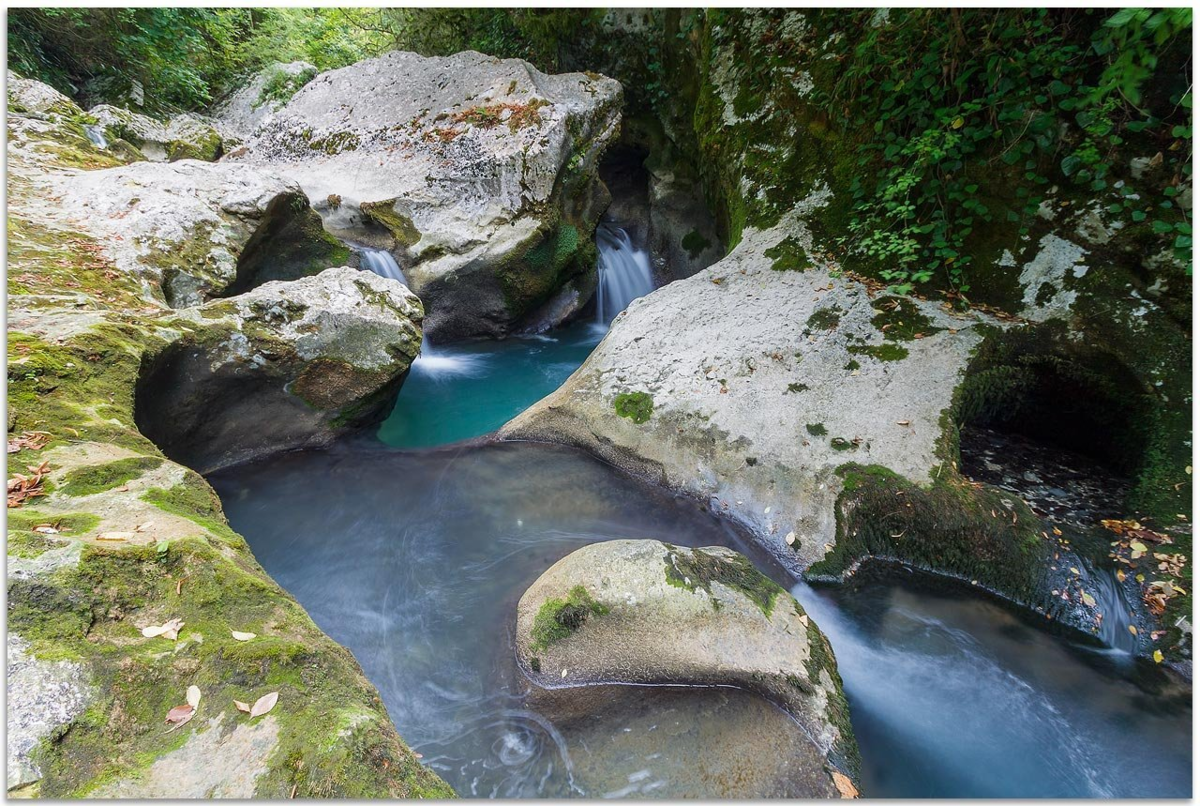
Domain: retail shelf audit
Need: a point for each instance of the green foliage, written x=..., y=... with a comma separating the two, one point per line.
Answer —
x=636, y=406
x=947, y=99
x=694, y=569
x=281, y=85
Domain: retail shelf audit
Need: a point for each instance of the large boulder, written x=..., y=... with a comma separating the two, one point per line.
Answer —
x=480, y=173
x=286, y=365
x=748, y=386
x=261, y=97
x=185, y=136
x=199, y=230
x=647, y=612
x=29, y=97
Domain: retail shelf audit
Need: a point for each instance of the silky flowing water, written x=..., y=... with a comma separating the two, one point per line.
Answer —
x=415, y=559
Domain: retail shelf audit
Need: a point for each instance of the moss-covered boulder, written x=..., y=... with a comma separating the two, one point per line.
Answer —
x=185, y=136
x=289, y=364
x=647, y=612
x=480, y=172
x=113, y=538
x=195, y=230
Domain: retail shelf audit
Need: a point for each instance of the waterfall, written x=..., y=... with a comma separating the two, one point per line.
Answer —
x=95, y=133
x=1110, y=599
x=382, y=263
x=624, y=272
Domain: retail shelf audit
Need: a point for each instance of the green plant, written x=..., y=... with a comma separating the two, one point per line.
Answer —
x=636, y=406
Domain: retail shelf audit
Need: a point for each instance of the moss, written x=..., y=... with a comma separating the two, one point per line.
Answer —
x=843, y=444
x=401, y=226
x=98, y=478
x=694, y=569
x=797, y=387
x=825, y=318
x=556, y=619
x=899, y=319
x=951, y=527
x=880, y=352
x=694, y=243
x=845, y=754
x=788, y=255
x=636, y=406
x=280, y=86
x=852, y=365
x=816, y=429
x=206, y=147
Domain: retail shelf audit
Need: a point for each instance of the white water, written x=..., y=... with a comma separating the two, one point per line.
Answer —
x=96, y=134
x=382, y=263
x=624, y=272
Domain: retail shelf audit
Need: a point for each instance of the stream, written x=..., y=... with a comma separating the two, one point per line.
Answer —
x=414, y=557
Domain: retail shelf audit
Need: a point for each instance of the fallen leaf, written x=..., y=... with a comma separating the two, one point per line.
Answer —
x=193, y=696
x=845, y=786
x=241, y=706
x=1158, y=656
x=1133, y=630
x=791, y=538
x=243, y=636
x=1089, y=600
x=902, y=422
x=116, y=537
x=180, y=715
x=168, y=630
x=264, y=704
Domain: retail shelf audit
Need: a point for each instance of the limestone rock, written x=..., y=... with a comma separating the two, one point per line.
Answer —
x=200, y=230
x=185, y=136
x=286, y=365
x=481, y=171
x=762, y=383
x=643, y=611
x=42, y=697
x=30, y=97
x=250, y=106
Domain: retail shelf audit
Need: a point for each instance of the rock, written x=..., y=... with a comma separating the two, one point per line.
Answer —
x=481, y=172
x=286, y=365
x=258, y=100
x=43, y=696
x=647, y=612
x=30, y=97
x=198, y=230
x=185, y=136
x=758, y=384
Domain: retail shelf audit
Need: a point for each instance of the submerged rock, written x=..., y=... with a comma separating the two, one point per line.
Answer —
x=643, y=611
x=481, y=172
x=185, y=136
x=287, y=365
x=199, y=230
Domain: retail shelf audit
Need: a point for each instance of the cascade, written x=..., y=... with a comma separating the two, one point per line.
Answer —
x=382, y=263
x=95, y=133
x=624, y=272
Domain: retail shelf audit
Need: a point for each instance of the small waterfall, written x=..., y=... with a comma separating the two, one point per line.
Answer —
x=1110, y=600
x=95, y=133
x=382, y=263
x=624, y=272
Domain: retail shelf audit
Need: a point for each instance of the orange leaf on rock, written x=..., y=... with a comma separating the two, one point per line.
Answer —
x=264, y=704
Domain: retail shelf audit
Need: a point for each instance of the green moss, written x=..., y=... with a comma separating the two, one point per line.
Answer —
x=797, y=387
x=825, y=318
x=697, y=569
x=558, y=618
x=98, y=478
x=695, y=243
x=880, y=352
x=636, y=406
x=401, y=226
x=542, y=264
x=207, y=147
x=816, y=429
x=843, y=444
x=852, y=365
x=899, y=320
x=788, y=255
x=281, y=85
x=845, y=754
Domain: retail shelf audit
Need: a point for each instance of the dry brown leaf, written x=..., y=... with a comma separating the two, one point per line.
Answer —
x=32, y=440
x=845, y=786
x=180, y=715
x=116, y=537
x=241, y=706
x=243, y=636
x=168, y=630
x=264, y=704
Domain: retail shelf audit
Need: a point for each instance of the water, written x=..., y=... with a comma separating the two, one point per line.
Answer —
x=416, y=560
x=382, y=263
x=624, y=272
x=953, y=696
x=95, y=133
x=466, y=390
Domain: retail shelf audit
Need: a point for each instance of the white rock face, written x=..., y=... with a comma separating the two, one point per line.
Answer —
x=185, y=136
x=34, y=97
x=647, y=612
x=246, y=109
x=182, y=225
x=751, y=401
x=287, y=365
x=469, y=160
x=42, y=697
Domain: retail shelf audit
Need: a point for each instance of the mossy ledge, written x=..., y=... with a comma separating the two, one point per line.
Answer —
x=694, y=569
x=557, y=618
x=332, y=736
